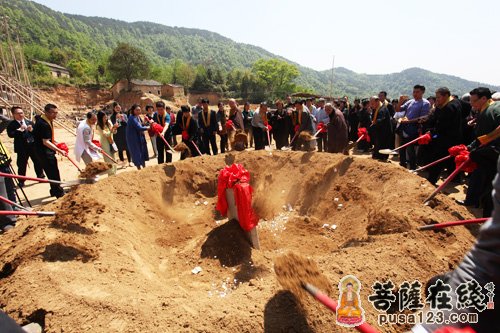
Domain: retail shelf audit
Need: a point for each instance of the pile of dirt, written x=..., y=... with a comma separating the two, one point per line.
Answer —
x=94, y=168
x=120, y=254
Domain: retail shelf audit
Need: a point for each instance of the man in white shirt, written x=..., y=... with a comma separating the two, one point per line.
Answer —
x=85, y=149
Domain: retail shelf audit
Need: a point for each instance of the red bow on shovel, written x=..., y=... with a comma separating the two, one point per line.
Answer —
x=64, y=147
x=98, y=144
x=394, y=151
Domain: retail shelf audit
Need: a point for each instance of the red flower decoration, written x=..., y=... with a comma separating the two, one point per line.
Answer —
x=363, y=132
x=63, y=146
x=470, y=166
x=425, y=139
x=185, y=135
x=97, y=143
x=229, y=124
x=457, y=150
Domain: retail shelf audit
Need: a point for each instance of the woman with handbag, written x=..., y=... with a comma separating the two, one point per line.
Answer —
x=106, y=130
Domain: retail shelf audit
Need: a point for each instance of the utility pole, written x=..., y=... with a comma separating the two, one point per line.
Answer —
x=331, y=80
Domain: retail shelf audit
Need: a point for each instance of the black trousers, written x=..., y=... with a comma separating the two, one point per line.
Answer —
x=410, y=152
x=120, y=155
x=22, y=161
x=258, y=137
x=209, y=140
x=223, y=143
x=49, y=165
x=322, y=141
x=163, y=155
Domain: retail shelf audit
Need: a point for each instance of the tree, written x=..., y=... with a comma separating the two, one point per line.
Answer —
x=276, y=75
x=128, y=62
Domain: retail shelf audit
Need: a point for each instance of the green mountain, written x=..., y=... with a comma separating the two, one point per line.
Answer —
x=81, y=43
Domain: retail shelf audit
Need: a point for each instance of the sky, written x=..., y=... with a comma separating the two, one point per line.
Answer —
x=375, y=37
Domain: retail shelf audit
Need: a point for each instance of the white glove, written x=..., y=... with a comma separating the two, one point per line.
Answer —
x=113, y=145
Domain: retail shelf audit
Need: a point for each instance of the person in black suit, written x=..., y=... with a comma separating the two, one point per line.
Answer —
x=207, y=124
x=21, y=130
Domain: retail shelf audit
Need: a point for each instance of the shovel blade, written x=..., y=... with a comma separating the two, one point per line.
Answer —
x=387, y=152
x=286, y=148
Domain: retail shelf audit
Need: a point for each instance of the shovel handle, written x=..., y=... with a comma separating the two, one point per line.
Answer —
x=109, y=156
x=409, y=143
x=40, y=180
x=332, y=305
x=73, y=161
x=12, y=203
x=196, y=147
x=13, y=212
x=452, y=224
x=434, y=163
x=447, y=180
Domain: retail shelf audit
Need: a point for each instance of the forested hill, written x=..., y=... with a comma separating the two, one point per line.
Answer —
x=82, y=43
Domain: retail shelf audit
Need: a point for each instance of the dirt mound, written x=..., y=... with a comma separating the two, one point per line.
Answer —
x=292, y=270
x=119, y=255
x=94, y=168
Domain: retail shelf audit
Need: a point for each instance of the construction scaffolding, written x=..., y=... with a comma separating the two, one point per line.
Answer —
x=15, y=86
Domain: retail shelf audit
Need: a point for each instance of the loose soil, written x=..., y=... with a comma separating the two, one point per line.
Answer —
x=94, y=168
x=118, y=256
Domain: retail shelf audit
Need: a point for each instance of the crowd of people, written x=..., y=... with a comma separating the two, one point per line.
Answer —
x=370, y=125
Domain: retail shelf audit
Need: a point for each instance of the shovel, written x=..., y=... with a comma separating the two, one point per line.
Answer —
x=59, y=182
x=332, y=305
x=268, y=147
x=355, y=143
x=13, y=212
x=447, y=180
x=73, y=161
x=432, y=164
x=452, y=224
x=171, y=150
x=196, y=147
x=12, y=203
x=395, y=151
x=289, y=147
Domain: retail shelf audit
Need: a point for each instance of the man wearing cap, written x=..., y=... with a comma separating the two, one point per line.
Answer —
x=207, y=124
x=302, y=122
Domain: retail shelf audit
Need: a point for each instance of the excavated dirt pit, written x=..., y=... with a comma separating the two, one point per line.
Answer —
x=119, y=255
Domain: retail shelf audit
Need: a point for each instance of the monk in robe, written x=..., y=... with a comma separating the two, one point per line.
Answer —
x=337, y=130
x=381, y=129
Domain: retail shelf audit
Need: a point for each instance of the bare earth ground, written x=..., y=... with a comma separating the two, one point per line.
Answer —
x=119, y=254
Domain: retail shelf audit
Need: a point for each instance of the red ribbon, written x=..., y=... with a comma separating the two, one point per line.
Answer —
x=63, y=146
x=237, y=178
x=362, y=131
x=297, y=127
x=425, y=139
x=457, y=150
x=322, y=127
x=97, y=143
x=461, y=158
x=229, y=124
x=157, y=128
x=185, y=135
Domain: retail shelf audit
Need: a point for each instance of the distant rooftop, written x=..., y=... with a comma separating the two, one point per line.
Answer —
x=51, y=65
x=145, y=82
